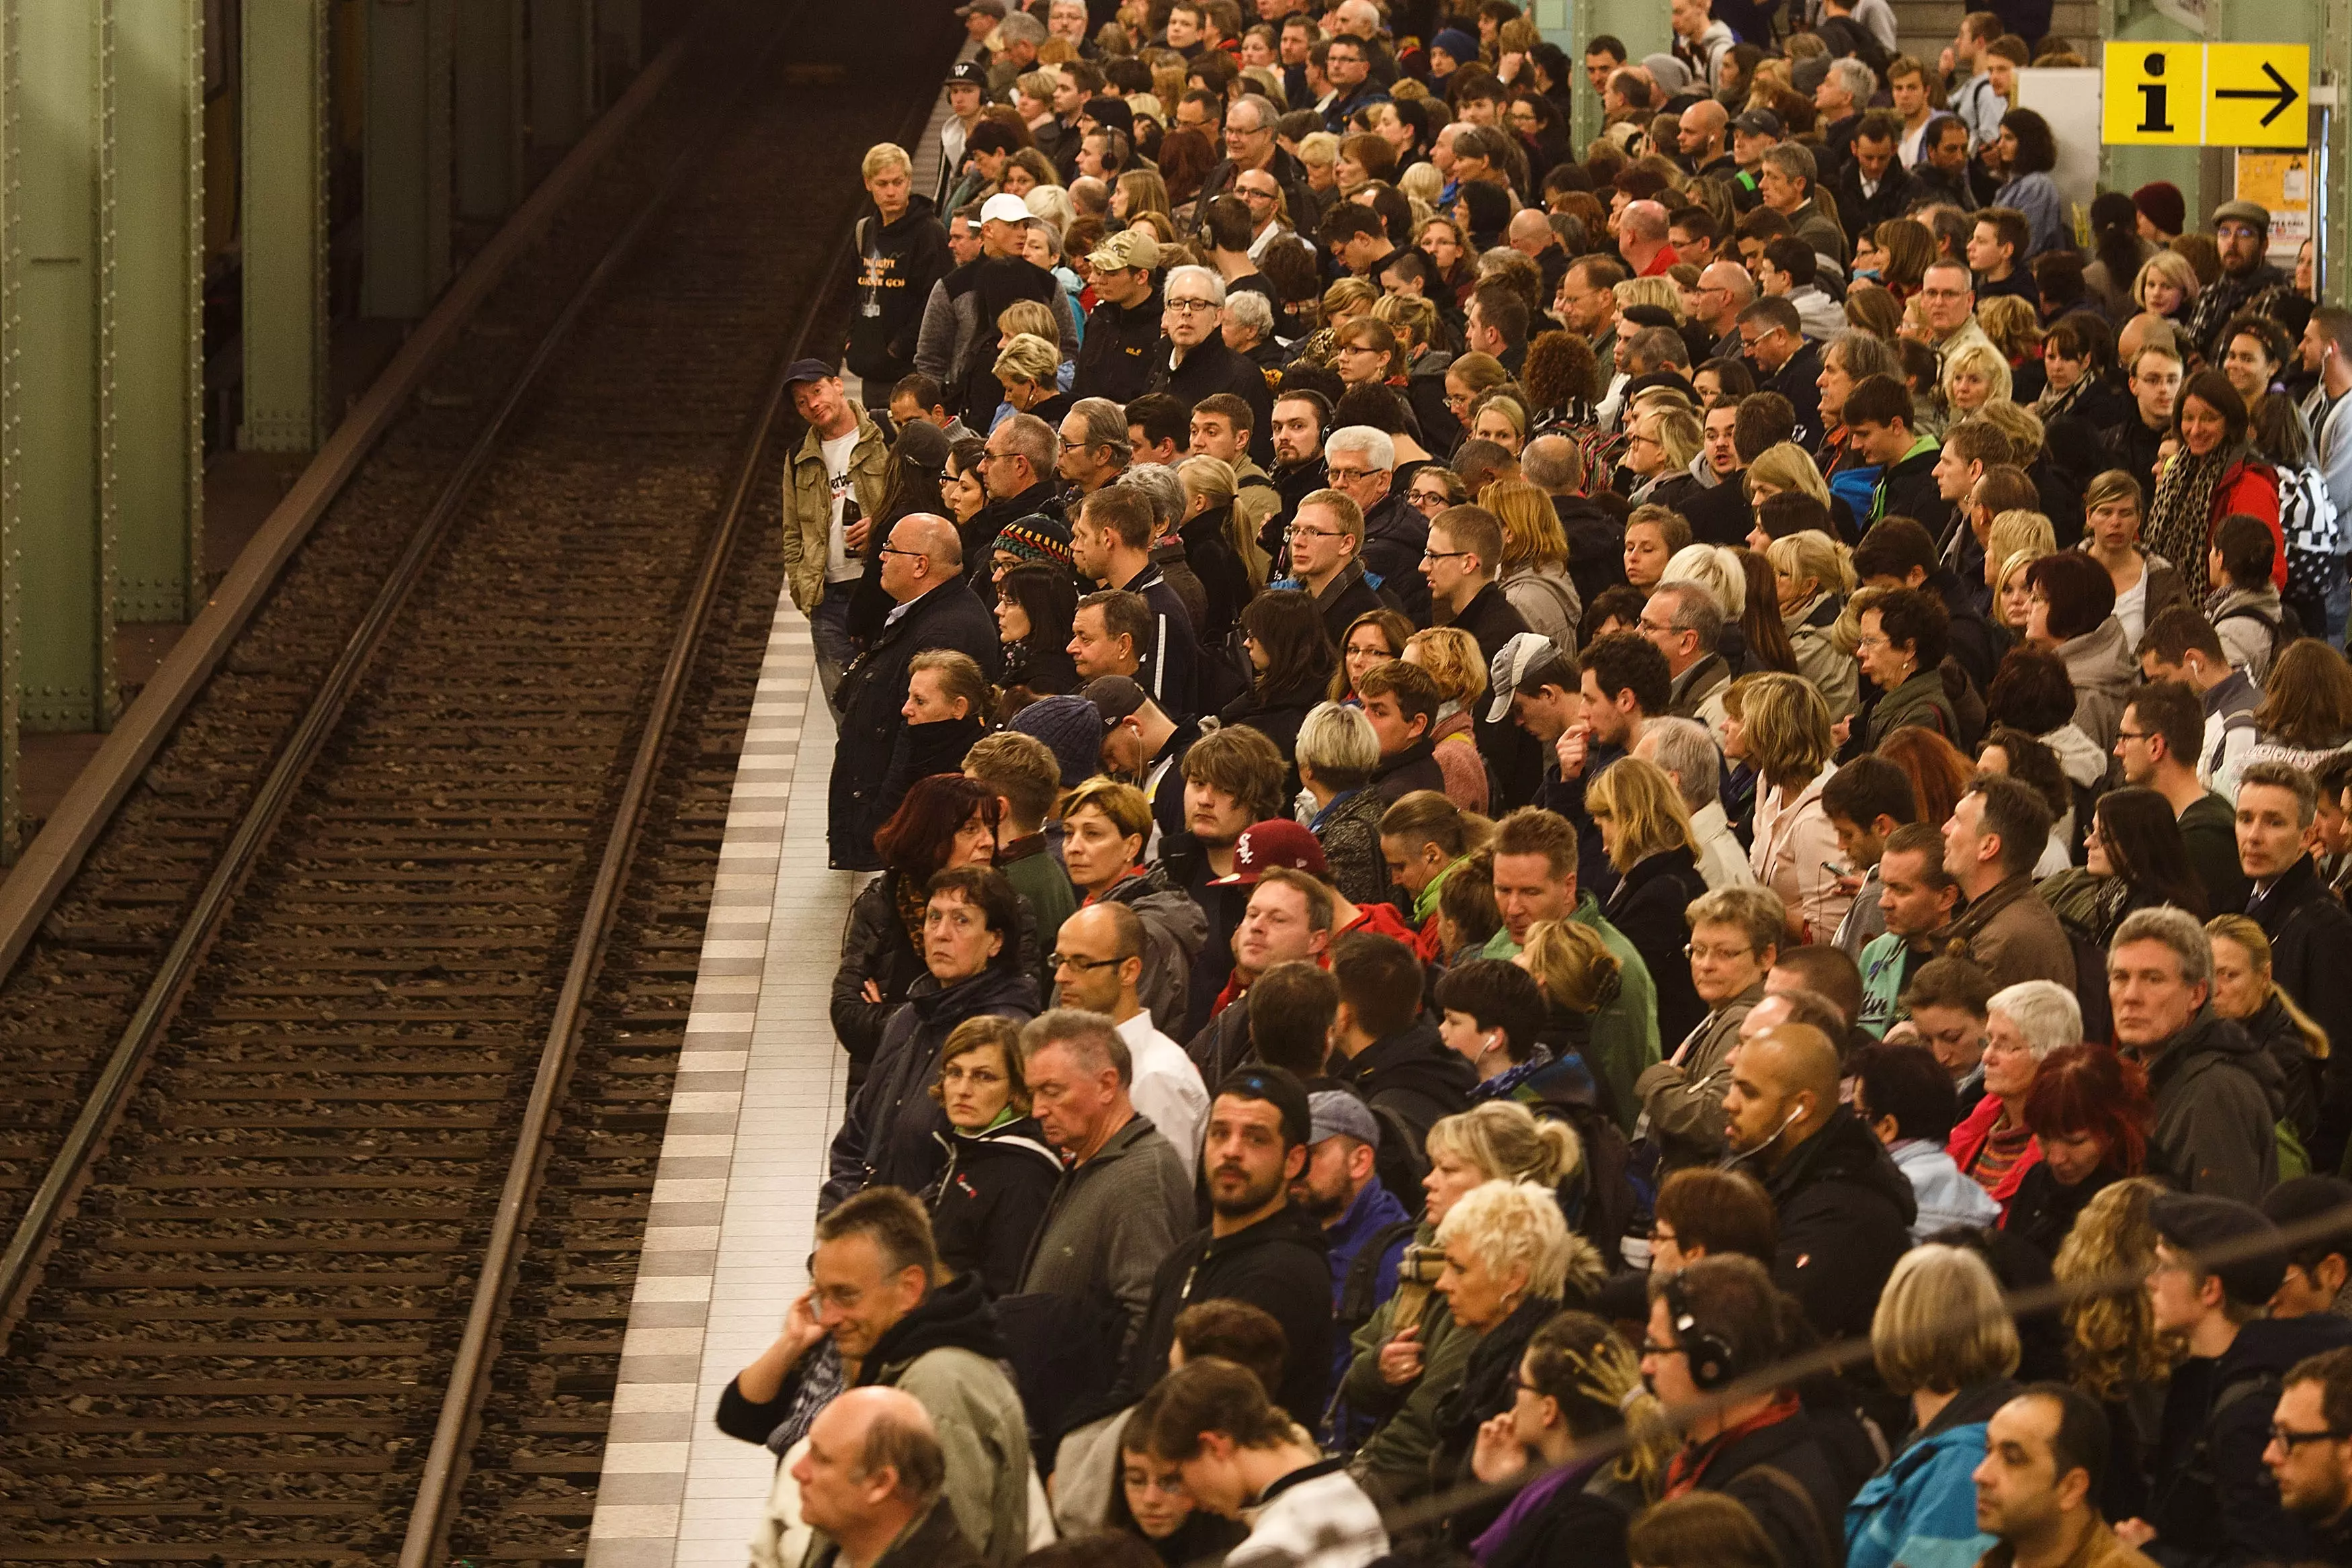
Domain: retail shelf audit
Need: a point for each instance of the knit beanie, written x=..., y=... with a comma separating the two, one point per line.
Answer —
x=1072, y=729
x=2161, y=202
x=1034, y=537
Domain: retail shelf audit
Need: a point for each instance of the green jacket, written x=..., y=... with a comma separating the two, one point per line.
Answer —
x=984, y=1435
x=808, y=502
x=1919, y=700
x=1624, y=1032
x=1395, y=1458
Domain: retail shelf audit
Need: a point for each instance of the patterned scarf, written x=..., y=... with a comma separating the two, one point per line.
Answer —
x=2180, y=520
x=909, y=895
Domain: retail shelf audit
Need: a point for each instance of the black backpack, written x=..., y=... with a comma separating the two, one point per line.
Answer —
x=1400, y=1163
x=2287, y=629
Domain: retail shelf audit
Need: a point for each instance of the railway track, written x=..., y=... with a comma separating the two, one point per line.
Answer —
x=329, y=1169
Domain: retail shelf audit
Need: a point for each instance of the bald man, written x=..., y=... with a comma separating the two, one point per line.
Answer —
x=1641, y=239
x=1725, y=289
x=1701, y=133
x=922, y=572
x=1532, y=235
x=1846, y=1209
x=871, y=1474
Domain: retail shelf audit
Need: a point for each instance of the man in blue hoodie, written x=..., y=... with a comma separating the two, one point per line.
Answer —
x=1363, y=1221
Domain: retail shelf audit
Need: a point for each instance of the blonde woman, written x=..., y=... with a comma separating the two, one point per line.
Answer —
x=1451, y=656
x=2012, y=595
x=2016, y=532
x=1409, y=1354
x=1026, y=368
x=1781, y=468
x=1941, y=1337
x=1715, y=567
x=1646, y=830
x=1215, y=536
x=2243, y=990
x=1502, y=419
x=1974, y=374
x=1658, y=291
x=1785, y=724
x=1535, y=560
x=2167, y=287
x=1813, y=573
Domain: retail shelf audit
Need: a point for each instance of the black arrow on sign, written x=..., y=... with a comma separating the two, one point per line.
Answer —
x=2280, y=89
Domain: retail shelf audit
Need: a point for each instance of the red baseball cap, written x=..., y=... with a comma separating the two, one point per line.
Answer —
x=1276, y=841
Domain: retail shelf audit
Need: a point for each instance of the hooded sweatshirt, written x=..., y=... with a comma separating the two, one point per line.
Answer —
x=1280, y=1265
x=898, y=264
x=1845, y=1216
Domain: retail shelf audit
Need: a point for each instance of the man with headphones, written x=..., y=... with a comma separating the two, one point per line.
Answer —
x=1712, y=1325
x=1845, y=1208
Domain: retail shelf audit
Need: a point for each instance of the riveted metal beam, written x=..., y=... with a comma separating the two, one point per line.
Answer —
x=284, y=224
x=406, y=195
x=151, y=330
x=60, y=500
x=488, y=109
x=1641, y=25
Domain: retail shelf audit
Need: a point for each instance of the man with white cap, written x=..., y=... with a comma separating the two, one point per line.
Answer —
x=957, y=346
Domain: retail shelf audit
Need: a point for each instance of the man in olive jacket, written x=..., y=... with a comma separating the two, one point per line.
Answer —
x=825, y=550
x=873, y=1293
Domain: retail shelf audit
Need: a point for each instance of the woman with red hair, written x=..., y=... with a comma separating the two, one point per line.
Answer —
x=2089, y=1109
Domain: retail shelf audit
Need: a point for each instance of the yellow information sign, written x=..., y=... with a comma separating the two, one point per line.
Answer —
x=2154, y=95
x=2205, y=95
x=2254, y=95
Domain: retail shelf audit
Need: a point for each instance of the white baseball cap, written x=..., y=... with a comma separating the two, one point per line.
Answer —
x=1003, y=208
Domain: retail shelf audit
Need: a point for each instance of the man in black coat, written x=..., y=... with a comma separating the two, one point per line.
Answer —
x=1465, y=555
x=1381, y=1046
x=1874, y=186
x=2310, y=931
x=1846, y=1209
x=1115, y=358
x=1773, y=339
x=922, y=572
x=1192, y=362
x=1260, y=1248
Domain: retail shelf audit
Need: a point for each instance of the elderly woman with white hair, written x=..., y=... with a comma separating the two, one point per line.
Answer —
x=1511, y=1263
x=2024, y=1023
x=1941, y=1337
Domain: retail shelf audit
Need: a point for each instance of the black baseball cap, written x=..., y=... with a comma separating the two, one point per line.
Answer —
x=968, y=73
x=2197, y=1223
x=1761, y=122
x=1280, y=1088
x=808, y=371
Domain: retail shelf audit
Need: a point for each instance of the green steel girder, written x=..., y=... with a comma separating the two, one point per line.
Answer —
x=59, y=503
x=487, y=105
x=283, y=224
x=406, y=218
x=563, y=70
x=1642, y=24
x=151, y=325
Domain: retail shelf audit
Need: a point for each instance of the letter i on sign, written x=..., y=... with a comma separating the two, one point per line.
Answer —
x=2153, y=120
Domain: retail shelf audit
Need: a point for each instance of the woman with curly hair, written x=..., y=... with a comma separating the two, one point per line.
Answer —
x=1562, y=379
x=1451, y=656
x=2114, y=1352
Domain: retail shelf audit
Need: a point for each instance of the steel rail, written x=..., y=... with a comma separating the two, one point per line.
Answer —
x=20, y=1261
x=445, y=1467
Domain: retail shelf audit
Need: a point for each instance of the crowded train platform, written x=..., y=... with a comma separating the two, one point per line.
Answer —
x=1466, y=848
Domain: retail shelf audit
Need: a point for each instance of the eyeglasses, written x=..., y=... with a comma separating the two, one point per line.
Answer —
x=1301, y=531
x=909, y=554
x=1083, y=966
x=993, y=457
x=1190, y=307
x=1445, y=554
x=2124, y=735
x=1426, y=499
x=1649, y=1347
x=2289, y=1440
x=1716, y=955
x=1350, y=475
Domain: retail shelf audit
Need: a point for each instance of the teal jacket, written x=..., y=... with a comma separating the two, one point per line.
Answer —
x=1921, y=1509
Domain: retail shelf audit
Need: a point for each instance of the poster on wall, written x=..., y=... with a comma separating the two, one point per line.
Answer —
x=2280, y=181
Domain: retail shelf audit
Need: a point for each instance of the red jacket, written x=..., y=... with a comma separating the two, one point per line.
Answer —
x=2251, y=487
x=1969, y=1138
